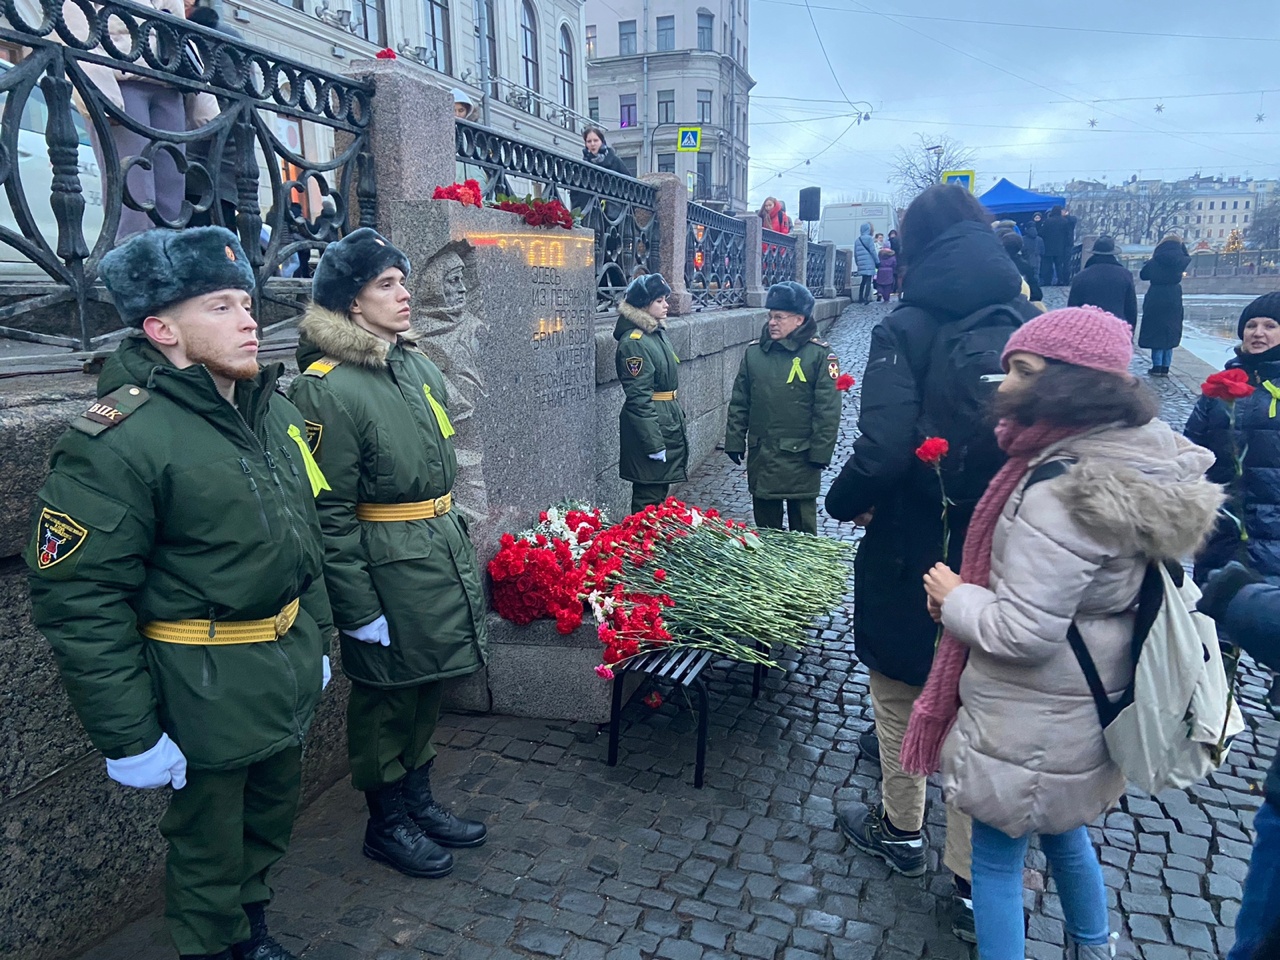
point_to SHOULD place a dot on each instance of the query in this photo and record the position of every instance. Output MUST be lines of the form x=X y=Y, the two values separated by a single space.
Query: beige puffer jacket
x=1026 y=754
x=200 y=107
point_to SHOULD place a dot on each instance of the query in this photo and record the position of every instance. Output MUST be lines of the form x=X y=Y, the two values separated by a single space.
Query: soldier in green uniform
x=653 y=450
x=402 y=572
x=785 y=411
x=177 y=571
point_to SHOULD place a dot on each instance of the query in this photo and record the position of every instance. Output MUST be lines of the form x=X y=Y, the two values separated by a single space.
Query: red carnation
x=659 y=574
x=932 y=450
x=653 y=700
x=845 y=381
x=385 y=54
x=1229 y=385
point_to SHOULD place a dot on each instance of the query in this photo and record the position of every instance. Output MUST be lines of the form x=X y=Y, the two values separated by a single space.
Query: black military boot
x=395 y=839
x=260 y=945
x=437 y=822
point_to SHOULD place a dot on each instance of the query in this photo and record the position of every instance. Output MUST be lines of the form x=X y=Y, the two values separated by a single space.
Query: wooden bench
x=682 y=667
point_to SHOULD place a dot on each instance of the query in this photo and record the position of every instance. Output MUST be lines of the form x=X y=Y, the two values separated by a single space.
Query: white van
x=37 y=179
x=841 y=222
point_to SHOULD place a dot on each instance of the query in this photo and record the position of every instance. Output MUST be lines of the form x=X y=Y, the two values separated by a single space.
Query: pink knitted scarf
x=936 y=708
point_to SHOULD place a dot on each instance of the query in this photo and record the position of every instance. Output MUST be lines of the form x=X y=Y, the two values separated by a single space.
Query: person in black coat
x=1106 y=283
x=1032 y=244
x=1014 y=246
x=1161 y=329
x=955 y=266
x=1059 y=236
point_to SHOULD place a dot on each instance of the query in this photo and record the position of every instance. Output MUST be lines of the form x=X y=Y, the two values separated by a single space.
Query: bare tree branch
x=919 y=167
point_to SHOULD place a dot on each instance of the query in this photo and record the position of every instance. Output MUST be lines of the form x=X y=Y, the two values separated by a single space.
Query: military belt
x=218 y=632
x=665 y=395
x=391 y=512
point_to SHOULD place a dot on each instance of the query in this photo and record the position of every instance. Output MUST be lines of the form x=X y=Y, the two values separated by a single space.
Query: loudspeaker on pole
x=811 y=203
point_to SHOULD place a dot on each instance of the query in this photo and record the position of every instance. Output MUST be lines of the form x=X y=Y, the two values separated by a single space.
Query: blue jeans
x=1161 y=358
x=1260 y=909
x=998 y=860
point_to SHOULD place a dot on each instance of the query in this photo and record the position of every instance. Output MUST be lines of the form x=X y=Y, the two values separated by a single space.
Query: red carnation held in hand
x=932 y=450
x=845 y=381
x=1227 y=385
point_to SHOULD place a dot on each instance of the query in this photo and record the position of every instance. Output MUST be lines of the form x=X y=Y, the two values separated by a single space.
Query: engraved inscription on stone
x=563 y=339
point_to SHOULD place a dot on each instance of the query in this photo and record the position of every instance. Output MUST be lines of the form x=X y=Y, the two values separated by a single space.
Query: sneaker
x=869 y=744
x=962 y=924
x=867 y=829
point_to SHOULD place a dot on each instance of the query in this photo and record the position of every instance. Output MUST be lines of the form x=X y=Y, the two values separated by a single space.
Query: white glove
x=158 y=767
x=328 y=673
x=375 y=632
x=660 y=455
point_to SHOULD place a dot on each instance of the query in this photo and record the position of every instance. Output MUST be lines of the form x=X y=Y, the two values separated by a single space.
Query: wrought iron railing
x=842 y=269
x=1207 y=263
x=715 y=263
x=62 y=102
x=815 y=267
x=619 y=209
x=778 y=258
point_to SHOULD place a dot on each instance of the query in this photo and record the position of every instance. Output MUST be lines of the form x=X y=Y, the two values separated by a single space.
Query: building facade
x=655 y=66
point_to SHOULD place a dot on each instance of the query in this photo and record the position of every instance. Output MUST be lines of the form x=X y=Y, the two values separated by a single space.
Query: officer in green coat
x=653 y=450
x=402 y=572
x=785 y=411
x=177 y=572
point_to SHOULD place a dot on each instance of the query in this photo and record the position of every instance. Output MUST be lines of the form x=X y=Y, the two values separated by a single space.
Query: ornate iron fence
x=778 y=258
x=68 y=100
x=715 y=265
x=1206 y=263
x=842 y=269
x=618 y=208
x=815 y=268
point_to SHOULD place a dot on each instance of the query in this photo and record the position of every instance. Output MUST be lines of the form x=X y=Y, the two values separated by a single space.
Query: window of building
x=593 y=108
x=1233 y=218
x=704 y=106
x=627 y=110
x=368 y=21
x=437 y=16
x=1246 y=218
x=666 y=106
x=1197 y=219
x=706 y=27
x=1200 y=205
x=703 y=190
x=1246 y=204
x=666 y=33
x=1235 y=204
x=491 y=42
x=626 y=38
x=10 y=52
x=1222 y=219
x=568 y=96
x=1219 y=233
x=591 y=41
x=629 y=163
x=1210 y=204
x=529 y=53
x=666 y=163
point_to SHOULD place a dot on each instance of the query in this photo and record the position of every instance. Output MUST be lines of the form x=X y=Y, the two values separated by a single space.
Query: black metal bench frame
x=681 y=667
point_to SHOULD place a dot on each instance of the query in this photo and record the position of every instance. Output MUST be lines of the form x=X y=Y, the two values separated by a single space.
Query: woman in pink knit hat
x=1095 y=487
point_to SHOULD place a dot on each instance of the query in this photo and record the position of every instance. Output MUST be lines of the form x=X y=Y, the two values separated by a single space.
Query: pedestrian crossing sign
x=690 y=140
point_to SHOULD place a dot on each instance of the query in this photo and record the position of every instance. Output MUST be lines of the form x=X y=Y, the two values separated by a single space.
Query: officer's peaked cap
x=349 y=264
x=790 y=297
x=645 y=289
x=159 y=268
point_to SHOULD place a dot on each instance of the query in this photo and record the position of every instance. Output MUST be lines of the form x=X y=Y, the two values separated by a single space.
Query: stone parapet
x=672 y=213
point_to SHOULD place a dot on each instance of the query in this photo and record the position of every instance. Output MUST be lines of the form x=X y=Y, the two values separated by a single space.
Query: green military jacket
x=785 y=414
x=378 y=439
x=646 y=366
x=164 y=502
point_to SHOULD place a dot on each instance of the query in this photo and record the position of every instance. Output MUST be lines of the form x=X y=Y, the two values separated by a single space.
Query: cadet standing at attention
x=653 y=451
x=402 y=572
x=785 y=401
x=176 y=569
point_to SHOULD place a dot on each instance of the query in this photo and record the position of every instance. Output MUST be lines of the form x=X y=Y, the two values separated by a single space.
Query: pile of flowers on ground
x=669 y=576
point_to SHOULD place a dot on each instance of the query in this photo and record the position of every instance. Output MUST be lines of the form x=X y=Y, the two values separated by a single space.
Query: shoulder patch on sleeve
x=833 y=366
x=821 y=343
x=636 y=334
x=314 y=432
x=634 y=365
x=106 y=412
x=58 y=536
x=320 y=367
x=754 y=343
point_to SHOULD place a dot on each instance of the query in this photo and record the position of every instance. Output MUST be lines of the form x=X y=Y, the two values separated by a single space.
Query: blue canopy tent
x=1007 y=198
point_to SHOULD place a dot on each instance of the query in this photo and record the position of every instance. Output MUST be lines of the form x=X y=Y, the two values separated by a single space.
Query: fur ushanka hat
x=790 y=297
x=158 y=268
x=349 y=264
x=645 y=289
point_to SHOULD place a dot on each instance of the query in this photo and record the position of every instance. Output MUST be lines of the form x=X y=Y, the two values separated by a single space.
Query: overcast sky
x=1022 y=93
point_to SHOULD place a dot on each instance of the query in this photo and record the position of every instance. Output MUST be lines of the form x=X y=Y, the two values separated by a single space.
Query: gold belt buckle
x=282 y=622
x=441 y=505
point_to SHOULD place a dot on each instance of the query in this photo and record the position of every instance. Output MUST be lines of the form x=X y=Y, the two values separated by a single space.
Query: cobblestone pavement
x=586 y=861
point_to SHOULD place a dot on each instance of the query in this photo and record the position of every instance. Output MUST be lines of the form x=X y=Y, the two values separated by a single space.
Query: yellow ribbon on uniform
x=1272 y=389
x=442 y=415
x=318 y=482
x=796 y=371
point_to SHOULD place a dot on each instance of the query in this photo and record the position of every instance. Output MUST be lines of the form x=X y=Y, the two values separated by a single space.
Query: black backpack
x=963 y=375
